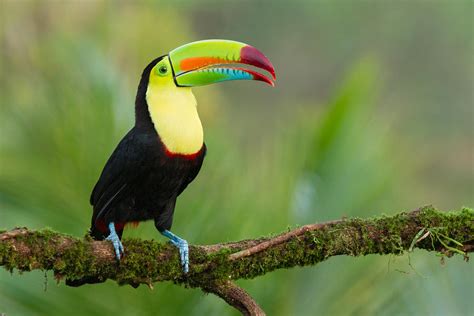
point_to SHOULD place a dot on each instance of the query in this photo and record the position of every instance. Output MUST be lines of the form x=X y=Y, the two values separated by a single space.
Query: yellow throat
x=173 y=111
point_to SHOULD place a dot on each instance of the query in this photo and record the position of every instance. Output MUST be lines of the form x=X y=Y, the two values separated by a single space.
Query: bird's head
x=165 y=96
x=210 y=61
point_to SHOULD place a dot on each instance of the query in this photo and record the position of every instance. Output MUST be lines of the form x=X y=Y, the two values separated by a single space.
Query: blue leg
x=114 y=238
x=182 y=246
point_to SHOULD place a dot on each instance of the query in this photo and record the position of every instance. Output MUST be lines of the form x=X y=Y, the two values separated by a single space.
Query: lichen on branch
x=214 y=267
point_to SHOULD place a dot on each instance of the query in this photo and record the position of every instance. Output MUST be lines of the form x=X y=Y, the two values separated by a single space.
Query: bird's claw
x=184 y=254
x=119 y=251
x=118 y=247
x=183 y=248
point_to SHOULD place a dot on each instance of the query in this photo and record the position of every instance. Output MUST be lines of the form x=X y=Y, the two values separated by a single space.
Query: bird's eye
x=163 y=70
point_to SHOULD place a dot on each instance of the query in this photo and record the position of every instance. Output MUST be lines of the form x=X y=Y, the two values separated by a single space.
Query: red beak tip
x=260 y=77
x=252 y=56
x=266 y=80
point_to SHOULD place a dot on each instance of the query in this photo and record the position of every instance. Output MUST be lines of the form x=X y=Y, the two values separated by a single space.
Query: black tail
x=96 y=235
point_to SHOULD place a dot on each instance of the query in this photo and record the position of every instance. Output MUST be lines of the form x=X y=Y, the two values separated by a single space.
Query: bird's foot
x=114 y=238
x=183 y=247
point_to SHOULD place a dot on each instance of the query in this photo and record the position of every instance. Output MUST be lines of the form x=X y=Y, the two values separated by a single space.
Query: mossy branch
x=214 y=267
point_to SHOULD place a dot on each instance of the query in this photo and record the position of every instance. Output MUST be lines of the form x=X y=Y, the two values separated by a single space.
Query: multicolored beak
x=210 y=61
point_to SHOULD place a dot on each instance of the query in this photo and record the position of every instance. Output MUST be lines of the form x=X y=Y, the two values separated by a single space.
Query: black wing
x=120 y=174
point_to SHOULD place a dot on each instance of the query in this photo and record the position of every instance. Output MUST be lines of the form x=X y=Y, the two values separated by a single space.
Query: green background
x=372 y=113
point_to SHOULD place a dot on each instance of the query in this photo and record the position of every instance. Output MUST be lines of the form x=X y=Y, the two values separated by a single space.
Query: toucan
x=163 y=153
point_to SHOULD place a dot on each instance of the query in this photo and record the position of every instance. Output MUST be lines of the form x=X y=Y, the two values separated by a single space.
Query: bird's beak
x=210 y=61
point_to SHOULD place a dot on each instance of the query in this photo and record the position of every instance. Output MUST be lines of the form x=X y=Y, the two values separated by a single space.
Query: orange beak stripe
x=199 y=62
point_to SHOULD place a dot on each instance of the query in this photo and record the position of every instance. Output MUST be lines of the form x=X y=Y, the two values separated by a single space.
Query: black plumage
x=141 y=181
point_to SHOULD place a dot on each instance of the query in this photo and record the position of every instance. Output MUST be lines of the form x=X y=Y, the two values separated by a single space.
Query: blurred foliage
x=372 y=113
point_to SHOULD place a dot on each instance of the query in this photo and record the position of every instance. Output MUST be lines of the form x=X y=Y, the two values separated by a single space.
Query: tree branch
x=213 y=267
x=236 y=297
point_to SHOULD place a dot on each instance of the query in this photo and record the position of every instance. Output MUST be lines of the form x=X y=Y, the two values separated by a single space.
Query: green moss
x=382 y=235
x=7 y=257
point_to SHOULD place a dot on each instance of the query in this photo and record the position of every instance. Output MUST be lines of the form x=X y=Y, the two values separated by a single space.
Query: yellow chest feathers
x=173 y=111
